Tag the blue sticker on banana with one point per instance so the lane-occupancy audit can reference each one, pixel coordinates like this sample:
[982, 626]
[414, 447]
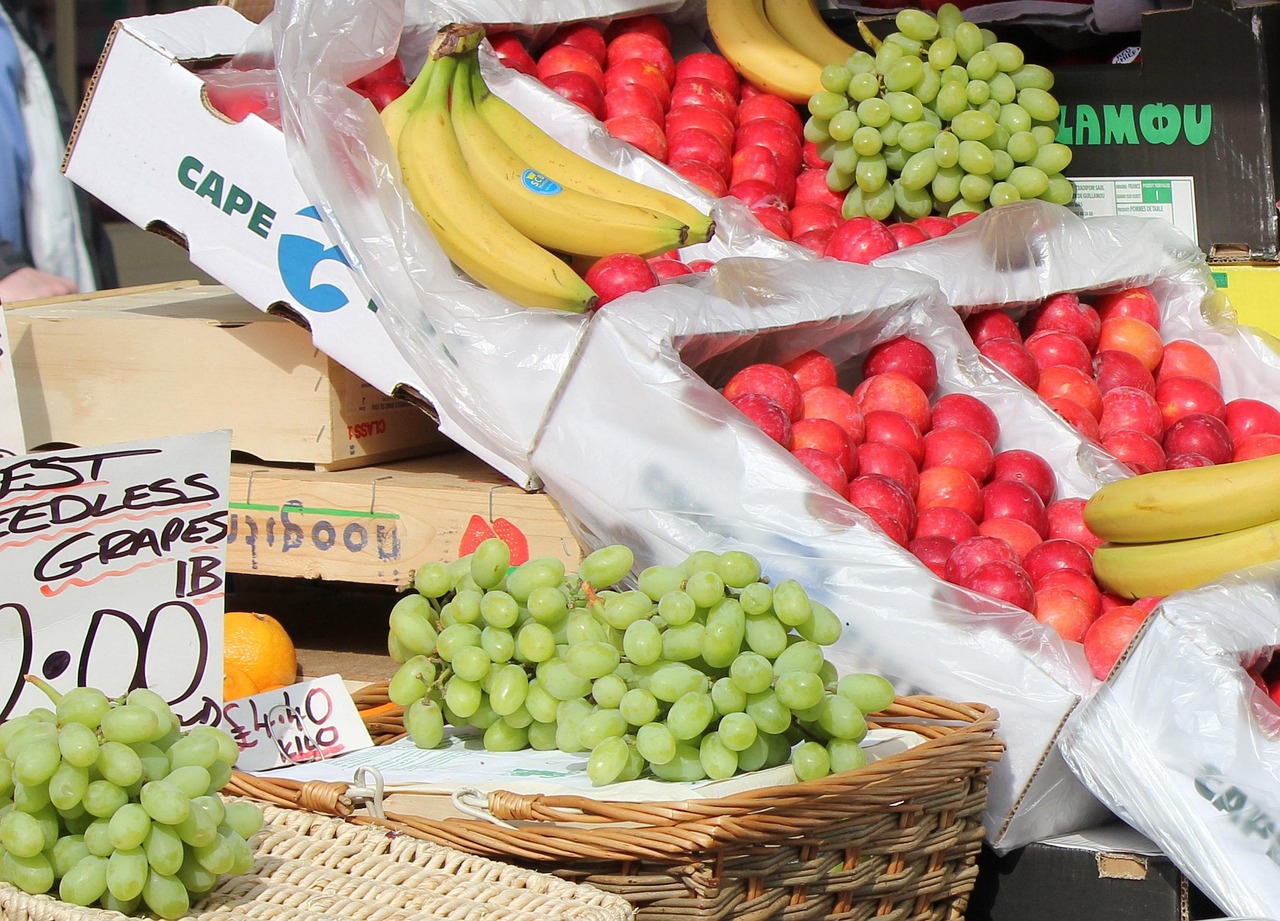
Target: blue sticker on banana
[535, 181]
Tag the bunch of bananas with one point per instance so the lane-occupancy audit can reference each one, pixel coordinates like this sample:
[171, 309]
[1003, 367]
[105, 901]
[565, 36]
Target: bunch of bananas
[1176, 529]
[509, 204]
[778, 45]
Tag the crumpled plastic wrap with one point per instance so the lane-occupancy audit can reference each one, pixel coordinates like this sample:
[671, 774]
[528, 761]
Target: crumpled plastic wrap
[488, 366]
[1181, 744]
[640, 449]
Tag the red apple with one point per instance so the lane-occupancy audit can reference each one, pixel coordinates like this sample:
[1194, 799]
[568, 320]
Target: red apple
[1109, 636]
[991, 324]
[1137, 337]
[859, 239]
[759, 164]
[384, 92]
[619, 274]
[1184, 460]
[891, 461]
[665, 267]
[767, 414]
[239, 102]
[1079, 584]
[830, 402]
[1113, 368]
[1132, 302]
[701, 265]
[1131, 409]
[1011, 499]
[1184, 358]
[642, 133]
[1182, 396]
[561, 58]
[896, 392]
[1064, 611]
[582, 35]
[945, 521]
[888, 427]
[758, 194]
[1260, 444]
[511, 51]
[907, 234]
[1199, 433]
[958, 447]
[812, 159]
[891, 526]
[702, 175]
[580, 89]
[771, 380]
[1012, 355]
[646, 73]
[823, 466]
[702, 117]
[933, 552]
[1019, 535]
[960, 218]
[1057, 553]
[1136, 450]
[906, 356]
[974, 552]
[812, 188]
[778, 137]
[874, 490]
[811, 216]
[645, 47]
[1245, 417]
[812, 369]
[775, 220]
[1075, 415]
[697, 91]
[825, 436]
[1066, 520]
[935, 225]
[814, 240]
[960, 410]
[646, 22]
[766, 105]
[1065, 313]
[1055, 347]
[702, 146]
[1060, 382]
[1002, 579]
[1027, 467]
[633, 99]
[709, 66]
[949, 487]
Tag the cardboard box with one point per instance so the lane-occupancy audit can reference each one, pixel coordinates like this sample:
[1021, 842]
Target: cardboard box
[1254, 294]
[1192, 120]
[191, 358]
[1102, 874]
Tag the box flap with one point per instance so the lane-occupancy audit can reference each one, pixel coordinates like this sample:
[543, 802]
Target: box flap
[194, 34]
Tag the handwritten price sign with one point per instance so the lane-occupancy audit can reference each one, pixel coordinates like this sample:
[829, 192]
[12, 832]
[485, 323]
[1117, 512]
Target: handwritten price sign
[112, 571]
[12, 440]
[311, 721]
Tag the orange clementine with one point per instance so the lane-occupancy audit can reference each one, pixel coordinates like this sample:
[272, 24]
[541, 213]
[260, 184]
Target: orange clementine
[260, 647]
[235, 683]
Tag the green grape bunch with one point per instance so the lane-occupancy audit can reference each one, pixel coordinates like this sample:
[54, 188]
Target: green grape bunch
[702, 670]
[940, 117]
[110, 802]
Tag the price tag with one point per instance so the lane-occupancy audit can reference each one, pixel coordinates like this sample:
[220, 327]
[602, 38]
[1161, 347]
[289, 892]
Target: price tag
[305, 722]
[12, 439]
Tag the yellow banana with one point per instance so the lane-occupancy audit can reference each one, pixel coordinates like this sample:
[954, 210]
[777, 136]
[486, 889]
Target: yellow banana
[743, 34]
[1138, 570]
[547, 155]
[544, 210]
[800, 23]
[395, 113]
[470, 230]
[1190, 502]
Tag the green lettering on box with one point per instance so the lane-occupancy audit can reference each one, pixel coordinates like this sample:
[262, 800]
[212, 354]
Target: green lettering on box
[1220, 279]
[1118, 125]
[1197, 123]
[238, 201]
[1088, 130]
[1161, 123]
[188, 169]
[211, 188]
[1157, 192]
[260, 222]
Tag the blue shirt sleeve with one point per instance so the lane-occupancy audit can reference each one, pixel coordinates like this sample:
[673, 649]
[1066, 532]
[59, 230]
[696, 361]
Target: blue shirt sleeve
[15, 157]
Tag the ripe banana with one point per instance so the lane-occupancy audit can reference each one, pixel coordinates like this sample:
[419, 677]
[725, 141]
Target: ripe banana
[1191, 502]
[469, 229]
[548, 156]
[800, 23]
[744, 35]
[557, 216]
[395, 113]
[1138, 570]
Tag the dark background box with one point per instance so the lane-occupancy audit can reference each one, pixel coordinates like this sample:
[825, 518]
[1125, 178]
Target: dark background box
[1219, 63]
[1044, 882]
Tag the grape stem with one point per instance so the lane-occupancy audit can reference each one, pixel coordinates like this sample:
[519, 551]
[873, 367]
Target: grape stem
[872, 41]
[45, 686]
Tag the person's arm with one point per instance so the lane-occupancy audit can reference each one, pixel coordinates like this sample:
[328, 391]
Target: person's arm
[21, 281]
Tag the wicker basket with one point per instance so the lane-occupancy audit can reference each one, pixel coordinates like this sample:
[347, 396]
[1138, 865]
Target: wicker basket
[897, 839]
[317, 868]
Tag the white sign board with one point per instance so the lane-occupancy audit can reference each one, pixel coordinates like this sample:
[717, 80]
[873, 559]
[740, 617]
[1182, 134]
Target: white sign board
[309, 721]
[12, 440]
[112, 571]
[1172, 198]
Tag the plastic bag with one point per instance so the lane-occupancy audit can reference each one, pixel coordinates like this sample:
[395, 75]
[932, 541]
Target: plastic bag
[1173, 744]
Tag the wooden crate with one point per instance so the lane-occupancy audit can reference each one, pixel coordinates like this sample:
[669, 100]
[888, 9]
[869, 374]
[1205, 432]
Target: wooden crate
[169, 359]
[376, 525]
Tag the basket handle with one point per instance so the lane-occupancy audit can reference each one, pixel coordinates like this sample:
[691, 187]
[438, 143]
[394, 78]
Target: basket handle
[319, 796]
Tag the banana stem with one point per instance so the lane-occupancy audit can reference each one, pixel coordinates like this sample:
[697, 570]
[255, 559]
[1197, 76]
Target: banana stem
[45, 686]
[455, 39]
[869, 37]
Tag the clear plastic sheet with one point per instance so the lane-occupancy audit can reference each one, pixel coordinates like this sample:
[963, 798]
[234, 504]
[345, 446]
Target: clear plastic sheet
[641, 449]
[1174, 743]
[488, 367]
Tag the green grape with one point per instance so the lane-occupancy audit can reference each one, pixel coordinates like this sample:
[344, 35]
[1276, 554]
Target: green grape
[1051, 158]
[489, 562]
[903, 74]
[957, 73]
[977, 92]
[78, 745]
[33, 875]
[200, 749]
[916, 136]
[216, 856]
[1022, 147]
[682, 767]
[212, 806]
[194, 877]
[624, 609]
[638, 707]
[66, 852]
[887, 53]
[463, 608]
[835, 78]
[727, 697]
[845, 755]
[456, 637]
[607, 761]
[942, 54]
[738, 569]
[870, 693]
[916, 174]
[192, 779]
[916, 24]
[927, 89]
[1060, 191]
[1038, 103]
[145, 697]
[548, 605]
[1002, 89]
[410, 681]
[1003, 193]
[844, 156]
[102, 798]
[606, 566]
[560, 681]
[197, 829]
[737, 731]
[975, 188]
[968, 38]
[1008, 56]
[905, 108]
[541, 705]
[798, 690]
[949, 16]
[499, 609]
[85, 706]
[219, 775]
[462, 696]
[67, 786]
[839, 180]
[860, 62]
[21, 834]
[424, 721]
[128, 826]
[751, 672]
[398, 653]
[722, 638]
[811, 761]
[843, 126]
[655, 743]
[84, 882]
[705, 588]
[1029, 181]
[543, 572]
[97, 840]
[608, 690]
[840, 718]
[642, 643]
[1045, 133]
[1014, 119]
[803, 656]
[119, 764]
[756, 599]
[823, 627]
[244, 818]
[863, 86]
[432, 580]
[717, 759]
[655, 581]
[988, 38]
[30, 798]
[35, 762]
[874, 112]
[498, 644]
[164, 849]
[975, 157]
[166, 895]
[879, 204]
[952, 99]
[164, 802]
[906, 43]
[582, 627]
[464, 583]
[542, 736]
[535, 643]
[973, 125]
[471, 663]
[982, 66]
[126, 873]
[675, 679]
[677, 608]
[852, 206]
[752, 758]
[1003, 165]
[768, 712]
[690, 715]
[999, 139]
[683, 643]
[503, 737]
[825, 104]
[889, 133]
[1032, 76]
[791, 602]
[410, 623]
[509, 689]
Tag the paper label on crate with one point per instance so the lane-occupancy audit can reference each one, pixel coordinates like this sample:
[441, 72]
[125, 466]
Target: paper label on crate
[1172, 198]
[112, 571]
[12, 439]
[306, 722]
